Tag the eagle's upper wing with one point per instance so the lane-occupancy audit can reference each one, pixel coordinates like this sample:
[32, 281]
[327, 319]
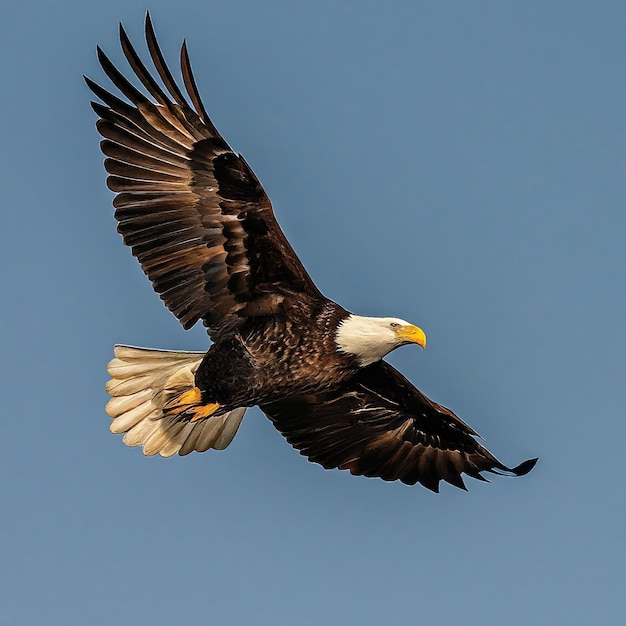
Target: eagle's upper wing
[192, 210]
[381, 425]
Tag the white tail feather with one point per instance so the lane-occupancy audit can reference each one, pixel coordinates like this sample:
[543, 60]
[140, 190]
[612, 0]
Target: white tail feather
[142, 381]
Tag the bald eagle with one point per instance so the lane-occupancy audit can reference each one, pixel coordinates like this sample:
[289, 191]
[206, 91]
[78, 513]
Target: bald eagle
[203, 229]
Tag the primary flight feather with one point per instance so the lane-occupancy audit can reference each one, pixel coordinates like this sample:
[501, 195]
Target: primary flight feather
[203, 230]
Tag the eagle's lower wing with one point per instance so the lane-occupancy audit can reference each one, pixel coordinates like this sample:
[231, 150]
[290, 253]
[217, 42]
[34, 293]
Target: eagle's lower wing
[381, 425]
[191, 209]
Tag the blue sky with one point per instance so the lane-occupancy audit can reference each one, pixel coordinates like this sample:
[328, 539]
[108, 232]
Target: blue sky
[458, 164]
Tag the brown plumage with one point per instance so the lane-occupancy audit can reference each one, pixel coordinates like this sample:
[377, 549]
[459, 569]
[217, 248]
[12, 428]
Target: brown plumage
[204, 232]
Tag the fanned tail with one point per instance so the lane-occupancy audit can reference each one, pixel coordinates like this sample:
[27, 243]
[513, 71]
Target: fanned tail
[143, 383]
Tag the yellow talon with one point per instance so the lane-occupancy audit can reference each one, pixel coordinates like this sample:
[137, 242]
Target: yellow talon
[190, 403]
[180, 403]
[201, 412]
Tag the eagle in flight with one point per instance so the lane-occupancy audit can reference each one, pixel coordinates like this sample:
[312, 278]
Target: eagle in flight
[203, 229]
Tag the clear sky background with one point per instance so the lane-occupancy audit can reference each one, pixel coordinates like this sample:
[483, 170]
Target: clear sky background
[458, 164]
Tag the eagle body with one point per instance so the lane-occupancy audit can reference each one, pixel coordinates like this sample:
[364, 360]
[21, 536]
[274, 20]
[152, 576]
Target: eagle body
[270, 358]
[204, 232]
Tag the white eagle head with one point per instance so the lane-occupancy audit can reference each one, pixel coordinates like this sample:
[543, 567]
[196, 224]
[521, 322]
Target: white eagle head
[369, 339]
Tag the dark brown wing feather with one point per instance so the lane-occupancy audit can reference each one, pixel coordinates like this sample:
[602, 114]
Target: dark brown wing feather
[382, 426]
[192, 210]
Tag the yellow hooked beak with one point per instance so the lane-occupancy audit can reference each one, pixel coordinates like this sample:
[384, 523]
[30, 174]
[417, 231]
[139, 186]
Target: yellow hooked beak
[411, 334]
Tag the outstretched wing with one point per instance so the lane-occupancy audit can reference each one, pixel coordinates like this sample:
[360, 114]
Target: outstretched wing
[382, 426]
[191, 209]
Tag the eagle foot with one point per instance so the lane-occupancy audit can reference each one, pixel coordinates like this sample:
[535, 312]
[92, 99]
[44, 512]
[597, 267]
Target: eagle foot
[189, 405]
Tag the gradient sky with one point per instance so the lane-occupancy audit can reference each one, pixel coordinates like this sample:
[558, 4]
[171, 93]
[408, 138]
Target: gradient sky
[457, 164]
